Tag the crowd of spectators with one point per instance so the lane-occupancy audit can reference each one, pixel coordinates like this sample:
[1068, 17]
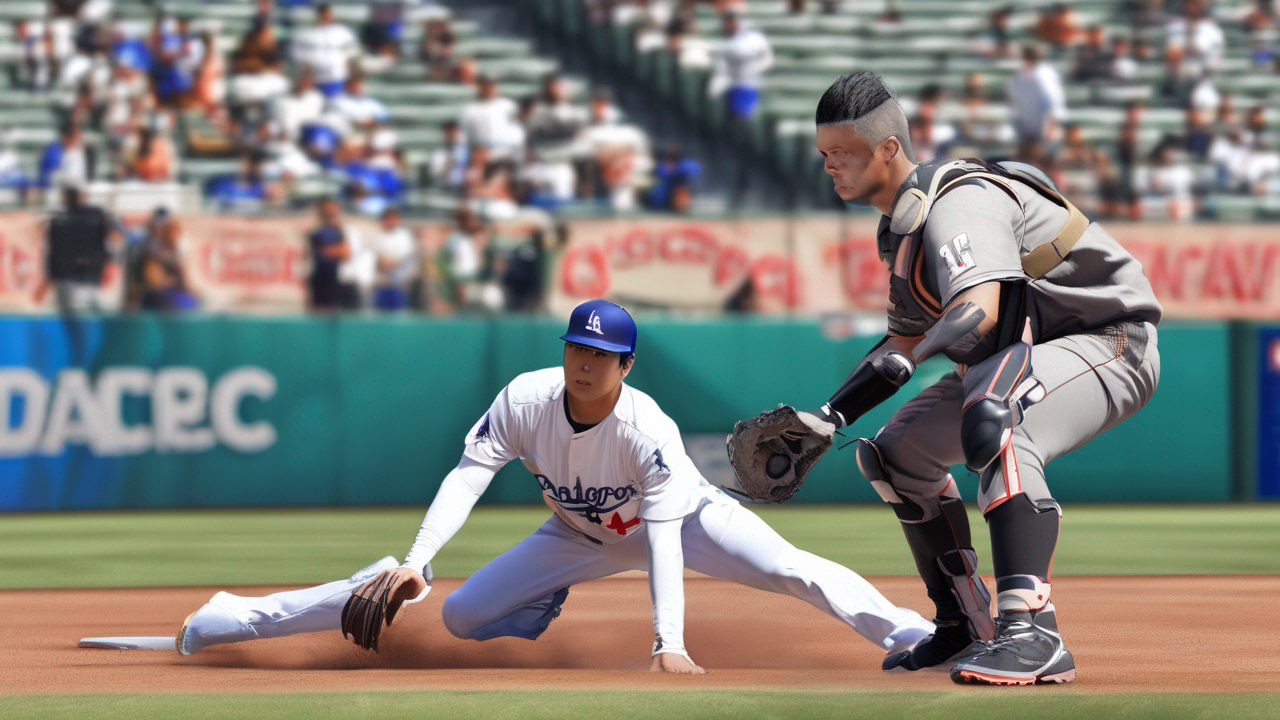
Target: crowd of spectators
[1128, 170]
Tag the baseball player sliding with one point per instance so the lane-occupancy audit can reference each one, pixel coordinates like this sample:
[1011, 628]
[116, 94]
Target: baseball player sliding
[624, 496]
[1052, 326]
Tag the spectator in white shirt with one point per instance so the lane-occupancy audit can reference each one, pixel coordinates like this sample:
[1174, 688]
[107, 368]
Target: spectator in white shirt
[397, 262]
[1199, 37]
[304, 105]
[1172, 181]
[361, 110]
[1230, 153]
[1038, 104]
[327, 50]
[1123, 64]
[741, 61]
[491, 122]
[447, 165]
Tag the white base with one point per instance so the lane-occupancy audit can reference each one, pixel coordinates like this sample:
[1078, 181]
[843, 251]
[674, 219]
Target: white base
[129, 643]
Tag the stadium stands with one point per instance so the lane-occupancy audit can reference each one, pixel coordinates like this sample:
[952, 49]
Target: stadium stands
[968, 50]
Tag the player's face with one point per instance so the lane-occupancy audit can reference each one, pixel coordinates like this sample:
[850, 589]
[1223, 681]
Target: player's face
[591, 374]
[850, 162]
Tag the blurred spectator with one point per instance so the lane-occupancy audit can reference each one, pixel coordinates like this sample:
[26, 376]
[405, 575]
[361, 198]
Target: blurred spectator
[544, 184]
[1197, 138]
[491, 122]
[618, 155]
[1058, 28]
[370, 187]
[398, 262]
[1226, 119]
[1198, 37]
[1172, 182]
[210, 74]
[78, 250]
[1123, 64]
[554, 120]
[1263, 170]
[361, 110]
[1094, 61]
[67, 161]
[130, 50]
[327, 49]
[36, 67]
[247, 191]
[1263, 27]
[158, 280]
[150, 158]
[644, 12]
[331, 245]
[993, 42]
[522, 280]
[930, 138]
[258, 52]
[741, 61]
[1147, 13]
[436, 50]
[1255, 123]
[468, 264]
[301, 106]
[447, 166]
[1076, 169]
[384, 30]
[673, 179]
[13, 176]
[1038, 104]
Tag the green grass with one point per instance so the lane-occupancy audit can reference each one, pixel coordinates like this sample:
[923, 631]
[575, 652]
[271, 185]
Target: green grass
[980, 704]
[222, 548]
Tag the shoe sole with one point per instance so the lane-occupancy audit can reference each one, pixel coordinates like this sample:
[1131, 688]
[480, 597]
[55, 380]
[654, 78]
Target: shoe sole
[970, 676]
[182, 634]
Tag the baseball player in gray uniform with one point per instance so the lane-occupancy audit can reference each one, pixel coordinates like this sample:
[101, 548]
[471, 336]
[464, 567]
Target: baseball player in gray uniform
[1052, 326]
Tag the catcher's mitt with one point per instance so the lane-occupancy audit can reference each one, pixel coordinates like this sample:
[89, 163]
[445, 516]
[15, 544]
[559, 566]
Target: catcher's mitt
[772, 452]
[376, 602]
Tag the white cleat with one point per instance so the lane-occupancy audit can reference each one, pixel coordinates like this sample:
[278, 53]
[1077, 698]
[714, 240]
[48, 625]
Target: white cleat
[210, 625]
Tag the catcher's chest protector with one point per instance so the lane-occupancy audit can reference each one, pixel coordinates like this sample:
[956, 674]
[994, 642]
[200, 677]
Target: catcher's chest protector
[897, 238]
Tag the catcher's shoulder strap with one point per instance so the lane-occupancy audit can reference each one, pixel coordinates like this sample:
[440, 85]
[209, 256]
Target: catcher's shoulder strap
[933, 180]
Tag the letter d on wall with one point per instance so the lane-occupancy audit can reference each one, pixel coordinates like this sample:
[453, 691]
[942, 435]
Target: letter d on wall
[34, 391]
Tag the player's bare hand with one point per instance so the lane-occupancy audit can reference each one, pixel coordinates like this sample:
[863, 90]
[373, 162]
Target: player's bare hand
[406, 584]
[672, 663]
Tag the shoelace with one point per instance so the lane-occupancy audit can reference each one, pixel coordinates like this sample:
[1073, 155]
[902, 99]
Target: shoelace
[1006, 635]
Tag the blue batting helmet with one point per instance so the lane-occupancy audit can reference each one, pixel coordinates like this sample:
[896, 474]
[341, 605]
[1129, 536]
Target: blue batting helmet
[602, 325]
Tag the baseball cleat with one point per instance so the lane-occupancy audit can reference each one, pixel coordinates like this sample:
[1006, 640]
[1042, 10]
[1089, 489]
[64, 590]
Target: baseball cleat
[950, 641]
[1027, 651]
[210, 625]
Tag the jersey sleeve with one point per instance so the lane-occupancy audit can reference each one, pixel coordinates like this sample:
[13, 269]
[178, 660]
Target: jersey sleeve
[668, 478]
[972, 237]
[497, 438]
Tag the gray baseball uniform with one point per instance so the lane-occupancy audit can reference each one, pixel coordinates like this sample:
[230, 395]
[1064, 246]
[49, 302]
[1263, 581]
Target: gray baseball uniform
[1093, 324]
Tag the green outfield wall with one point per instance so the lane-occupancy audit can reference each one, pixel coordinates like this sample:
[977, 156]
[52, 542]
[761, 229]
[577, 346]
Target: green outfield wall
[150, 411]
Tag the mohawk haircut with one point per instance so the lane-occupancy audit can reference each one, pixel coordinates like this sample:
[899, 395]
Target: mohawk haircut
[864, 101]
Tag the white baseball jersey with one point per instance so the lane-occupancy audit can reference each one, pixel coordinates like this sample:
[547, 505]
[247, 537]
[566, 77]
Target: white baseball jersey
[604, 482]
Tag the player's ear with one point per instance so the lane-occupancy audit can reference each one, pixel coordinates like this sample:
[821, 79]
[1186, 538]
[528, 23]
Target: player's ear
[890, 148]
[626, 366]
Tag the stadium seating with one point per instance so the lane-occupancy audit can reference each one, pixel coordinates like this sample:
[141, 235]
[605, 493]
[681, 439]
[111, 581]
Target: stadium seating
[931, 44]
[417, 108]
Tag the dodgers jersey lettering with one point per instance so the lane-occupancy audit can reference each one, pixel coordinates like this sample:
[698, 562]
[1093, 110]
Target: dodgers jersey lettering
[604, 482]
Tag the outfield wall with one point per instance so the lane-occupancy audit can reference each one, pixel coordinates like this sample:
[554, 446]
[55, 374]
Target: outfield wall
[150, 411]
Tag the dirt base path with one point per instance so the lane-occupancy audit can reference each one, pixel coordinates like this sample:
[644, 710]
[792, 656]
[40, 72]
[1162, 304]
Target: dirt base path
[1127, 634]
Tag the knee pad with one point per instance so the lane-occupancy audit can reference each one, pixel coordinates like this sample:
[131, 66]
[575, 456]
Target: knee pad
[986, 425]
[907, 507]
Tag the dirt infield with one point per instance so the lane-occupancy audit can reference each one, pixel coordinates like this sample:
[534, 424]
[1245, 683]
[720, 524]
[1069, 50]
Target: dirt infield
[1128, 634]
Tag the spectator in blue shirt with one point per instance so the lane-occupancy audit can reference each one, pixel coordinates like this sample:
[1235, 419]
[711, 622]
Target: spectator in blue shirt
[330, 247]
[66, 161]
[246, 191]
[673, 178]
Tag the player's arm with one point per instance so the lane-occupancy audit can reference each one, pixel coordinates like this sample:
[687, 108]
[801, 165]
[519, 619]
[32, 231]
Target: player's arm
[666, 590]
[968, 327]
